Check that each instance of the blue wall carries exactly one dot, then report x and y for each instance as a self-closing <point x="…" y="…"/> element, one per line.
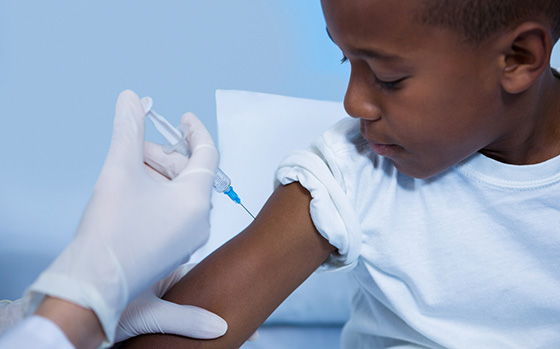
<point x="63" y="63"/>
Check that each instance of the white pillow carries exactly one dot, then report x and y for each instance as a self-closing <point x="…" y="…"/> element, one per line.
<point x="255" y="131"/>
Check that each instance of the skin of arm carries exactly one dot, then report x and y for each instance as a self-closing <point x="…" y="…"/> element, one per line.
<point x="80" y="325"/>
<point x="249" y="276"/>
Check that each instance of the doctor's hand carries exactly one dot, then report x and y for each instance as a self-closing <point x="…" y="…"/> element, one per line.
<point x="150" y="314"/>
<point x="136" y="228"/>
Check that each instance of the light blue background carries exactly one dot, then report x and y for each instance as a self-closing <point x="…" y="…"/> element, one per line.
<point x="63" y="63"/>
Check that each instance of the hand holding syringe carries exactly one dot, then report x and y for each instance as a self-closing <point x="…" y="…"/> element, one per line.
<point x="176" y="141"/>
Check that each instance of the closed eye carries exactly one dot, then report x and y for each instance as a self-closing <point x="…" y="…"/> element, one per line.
<point x="389" y="85"/>
<point x="384" y="85"/>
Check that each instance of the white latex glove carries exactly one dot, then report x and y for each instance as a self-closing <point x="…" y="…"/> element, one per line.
<point x="150" y="314"/>
<point x="135" y="230"/>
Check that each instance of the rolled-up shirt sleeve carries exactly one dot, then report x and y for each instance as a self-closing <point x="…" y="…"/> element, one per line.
<point x="331" y="210"/>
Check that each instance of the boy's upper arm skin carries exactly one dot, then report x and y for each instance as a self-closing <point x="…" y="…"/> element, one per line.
<point x="248" y="277"/>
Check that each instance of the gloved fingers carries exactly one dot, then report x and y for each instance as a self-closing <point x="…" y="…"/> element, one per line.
<point x="127" y="142"/>
<point x="188" y="321"/>
<point x="254" y="337"/>
<point x="204" y="158"/>
<point x="185" y="269"/>
<point x="156" y="175"/>
<point x="168" y="165"/>
<point x="196" y="131"/>
<point x="123" y="333"/>
<point x="162" y="286"/>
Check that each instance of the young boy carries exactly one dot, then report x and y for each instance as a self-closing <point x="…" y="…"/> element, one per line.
<point x="443" y="194"/>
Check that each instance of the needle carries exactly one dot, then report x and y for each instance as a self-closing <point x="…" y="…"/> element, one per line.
<point x="250" y="214"/>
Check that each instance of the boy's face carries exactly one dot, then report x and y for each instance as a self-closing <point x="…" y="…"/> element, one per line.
<point x="426" y="100"/>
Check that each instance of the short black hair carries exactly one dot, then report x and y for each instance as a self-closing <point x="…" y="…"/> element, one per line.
<point x="477" y="20"/>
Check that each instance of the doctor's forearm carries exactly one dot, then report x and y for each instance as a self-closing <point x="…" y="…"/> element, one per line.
<point x="247" y="278"/>
<point x="80" y="325"/>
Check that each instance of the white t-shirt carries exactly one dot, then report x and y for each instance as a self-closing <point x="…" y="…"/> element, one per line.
<point x="468" y="258"/>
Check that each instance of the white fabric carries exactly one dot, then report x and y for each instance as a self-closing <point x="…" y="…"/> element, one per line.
<point x="138" y="226"/>
<point x="296" y="337"/>
<point x="10" y="314"/>
<point x="255" y="131"/>
<point x="35" y="332"/>
<point x="469" y="258"/>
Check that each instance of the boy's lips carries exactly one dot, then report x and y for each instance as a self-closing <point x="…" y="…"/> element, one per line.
<point x="382" y="149"/>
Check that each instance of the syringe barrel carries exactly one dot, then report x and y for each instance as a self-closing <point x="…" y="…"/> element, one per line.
<point x="221" y="181"/>
<point x="181" y="145"/>
<point x="176" y="141"/>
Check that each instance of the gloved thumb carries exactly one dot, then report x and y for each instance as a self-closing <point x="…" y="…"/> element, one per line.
<point x="127" y="143"/>
<point x="188" y="321"/>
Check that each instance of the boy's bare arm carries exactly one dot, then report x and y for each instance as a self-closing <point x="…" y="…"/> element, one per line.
<point x="248" y="277"/>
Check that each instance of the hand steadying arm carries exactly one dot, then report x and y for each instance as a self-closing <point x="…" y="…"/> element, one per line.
<point x="248" y="277"/>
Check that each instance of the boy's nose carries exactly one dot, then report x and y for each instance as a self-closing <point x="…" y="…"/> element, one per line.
<point x="359" y="101"/>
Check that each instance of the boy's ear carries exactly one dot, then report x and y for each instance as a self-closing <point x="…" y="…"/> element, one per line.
<point x="525" y="56"/>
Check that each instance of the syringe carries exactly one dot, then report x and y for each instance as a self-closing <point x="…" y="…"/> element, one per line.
<point x="176" y="141"/>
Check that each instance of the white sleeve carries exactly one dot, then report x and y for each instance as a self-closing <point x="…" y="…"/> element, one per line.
<point x="331" y="211"/>
<point x="35" y="332"/>
<point x="11" y="313"/>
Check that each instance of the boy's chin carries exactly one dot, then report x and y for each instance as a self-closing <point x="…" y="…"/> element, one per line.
<point x="419" y="172"/>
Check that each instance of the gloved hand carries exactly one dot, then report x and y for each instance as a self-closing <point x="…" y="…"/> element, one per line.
<point x="135" y="230"/>
<point x="150" y="314"/>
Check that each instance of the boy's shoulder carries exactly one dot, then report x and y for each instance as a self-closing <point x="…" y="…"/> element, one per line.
<point x="342" y="136"/>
